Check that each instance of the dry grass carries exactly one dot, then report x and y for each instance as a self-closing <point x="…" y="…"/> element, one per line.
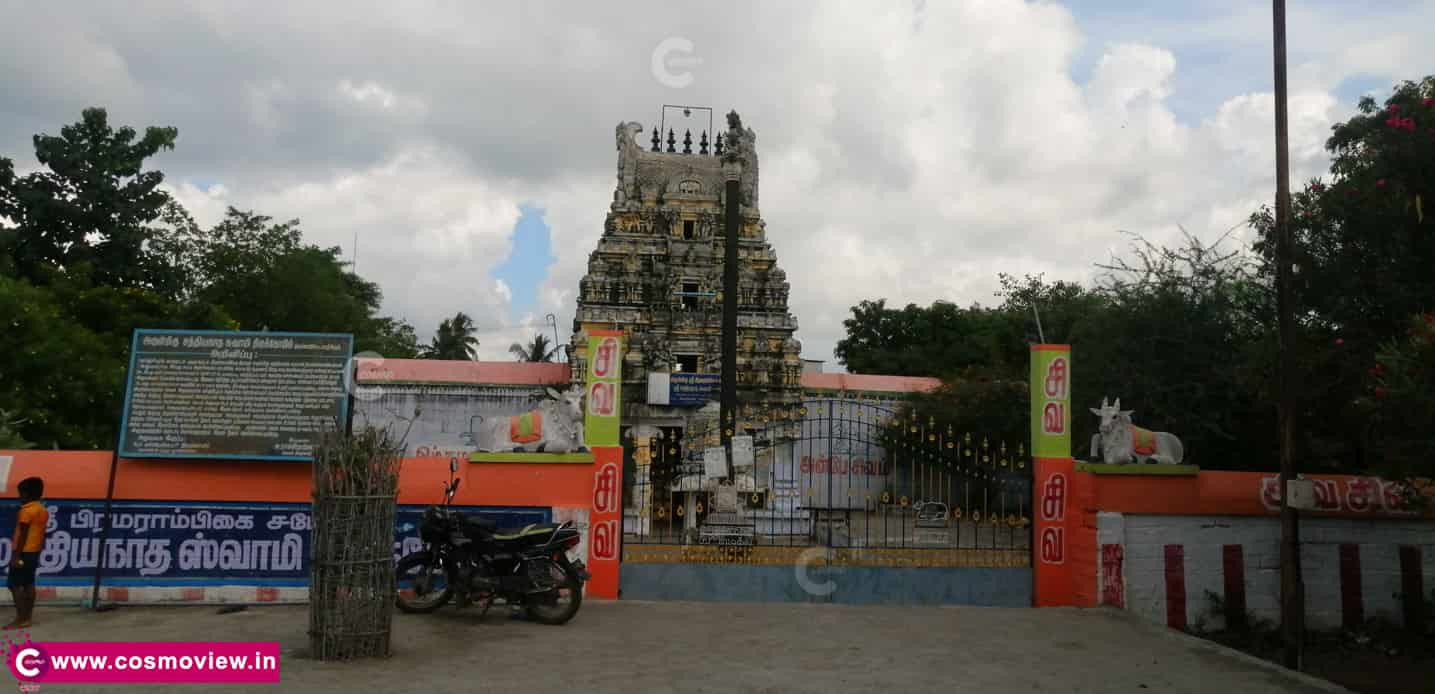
<point x="351" y="583"/>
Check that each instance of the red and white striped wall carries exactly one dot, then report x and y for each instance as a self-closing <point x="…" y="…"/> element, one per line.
<point x="164" y="595"/>
<point x="1185" y="571"/>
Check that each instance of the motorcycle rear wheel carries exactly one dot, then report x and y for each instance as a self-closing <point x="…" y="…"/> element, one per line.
<point x="421" y="563"/>
<point x="539" y="609"/>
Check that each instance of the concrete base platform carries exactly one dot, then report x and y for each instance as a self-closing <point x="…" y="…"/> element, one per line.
<point x="859" y="585"/>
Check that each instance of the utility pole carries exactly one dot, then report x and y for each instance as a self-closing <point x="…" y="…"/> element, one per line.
<point x="1292" y="590"/>
<point x="732" y="219"/>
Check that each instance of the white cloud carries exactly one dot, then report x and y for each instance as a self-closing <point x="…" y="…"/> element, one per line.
<point x="426" y="232"/>
<point x="368" y="92"/>
<point x="500" y="288"/>
<point x="207" y="205"/>
<point x="907" y="152"/>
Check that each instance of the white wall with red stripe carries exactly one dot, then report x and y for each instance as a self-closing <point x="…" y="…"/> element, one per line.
<point x="1166" y="567"/>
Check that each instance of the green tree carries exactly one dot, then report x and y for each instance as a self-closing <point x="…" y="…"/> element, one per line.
<point x="88" y="213"/>
<point x="1364" y="246"/>
<point x="9" y="206"/>
<point x="1184" y="341"/>
<point x="1178" y="333"/>
<point x="389" y="337"/>
<point x="937" y="340"/>
<point x="539" y="349"/>
<point x="263" y="275"/>
<point x="1400" y="406"/>
<point x="980" y="401"/>
<point x="10" y="438"/>
<point x="60" y="381"/>
<point x="1068" y="311"/>
<point x="454" y="340"/>
<point x="91" y="249"/>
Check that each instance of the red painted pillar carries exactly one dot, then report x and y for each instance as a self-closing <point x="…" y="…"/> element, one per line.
<point x="1113" y="571"/>
<point x="1233" y="570"/>
<point x="1412" y="588"/>
<point x="1055" y="505"/>
<point x="1176" y="586"/>
<point x="1352" y="600"/>
<point x="601" y="423"/>
<point x="1053" y="480"/>
<point x="606" y="522"/>
<point x="1082" y="548"/>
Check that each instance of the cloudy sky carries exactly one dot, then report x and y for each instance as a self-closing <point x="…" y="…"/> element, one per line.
<point x="909" y="150"/>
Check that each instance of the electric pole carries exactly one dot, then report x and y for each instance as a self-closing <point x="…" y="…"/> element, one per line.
<point x="1292" y="591"/>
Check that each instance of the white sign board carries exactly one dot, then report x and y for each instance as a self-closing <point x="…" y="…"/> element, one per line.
<point x="1300" y="494"/>
<point x="726" y="499"/>
<point x="659" y="384"/>
<point x="742" y="457"/>
<point x="715" y="462"/>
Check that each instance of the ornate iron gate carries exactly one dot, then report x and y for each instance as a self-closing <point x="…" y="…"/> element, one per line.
<point x="835" y="482"/>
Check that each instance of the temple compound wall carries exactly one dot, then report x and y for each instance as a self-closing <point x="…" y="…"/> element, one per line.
<point x="1201" y="549"/>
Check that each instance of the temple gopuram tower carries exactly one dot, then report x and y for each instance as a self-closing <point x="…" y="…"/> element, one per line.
<point x="657" y="275"/>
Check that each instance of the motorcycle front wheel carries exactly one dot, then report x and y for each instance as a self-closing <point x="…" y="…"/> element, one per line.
<point x="560" y="602"/>
<point x="423" y="585"/>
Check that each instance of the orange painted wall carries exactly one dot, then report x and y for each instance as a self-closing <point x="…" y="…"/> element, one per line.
<point x="83" y="475"/>
<point x="1065" y="548"/>
<point x="1207" y="493"/>
<point x="498" y="484"/>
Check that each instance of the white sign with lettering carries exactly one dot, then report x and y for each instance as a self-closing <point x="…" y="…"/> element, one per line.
<point x="742" y="455"/>
<point x="715" y="462"/>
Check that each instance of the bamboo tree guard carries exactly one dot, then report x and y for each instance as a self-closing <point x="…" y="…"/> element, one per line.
<point x="351" y="581"/>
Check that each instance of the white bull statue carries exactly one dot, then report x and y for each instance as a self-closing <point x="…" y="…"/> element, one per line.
<point x="555" y="426"/>
<point x="1120" y="441"/>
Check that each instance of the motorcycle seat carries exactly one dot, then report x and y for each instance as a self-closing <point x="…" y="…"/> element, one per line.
<point x="481" y="524"/>
<point x="526" y="531"/>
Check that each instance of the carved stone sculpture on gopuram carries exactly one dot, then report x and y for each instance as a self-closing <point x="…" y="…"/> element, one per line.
<point x="656" y="271"/>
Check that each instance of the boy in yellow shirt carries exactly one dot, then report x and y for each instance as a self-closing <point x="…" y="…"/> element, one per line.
<point x="25" y="549"/>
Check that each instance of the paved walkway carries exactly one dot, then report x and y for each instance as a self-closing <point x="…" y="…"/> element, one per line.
<point x="717" y="647"/>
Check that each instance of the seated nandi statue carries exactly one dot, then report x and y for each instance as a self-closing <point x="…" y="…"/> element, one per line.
<point x="1120" y="441"/>
<point x="555" y="426"/>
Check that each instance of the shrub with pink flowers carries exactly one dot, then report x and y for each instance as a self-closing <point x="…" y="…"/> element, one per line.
<point x="1364" y="255"/>
<point x="1400" y="399"/>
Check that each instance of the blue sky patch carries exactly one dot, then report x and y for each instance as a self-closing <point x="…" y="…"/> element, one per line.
<point x="1352" y="88"/>
<point x="527" y="263"/>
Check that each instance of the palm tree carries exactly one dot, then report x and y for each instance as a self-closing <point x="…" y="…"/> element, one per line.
<point x="454" y="340"/>
<point x="540" y="349"/>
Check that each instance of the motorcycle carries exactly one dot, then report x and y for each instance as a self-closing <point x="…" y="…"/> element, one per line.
<point x="469" y="557"/>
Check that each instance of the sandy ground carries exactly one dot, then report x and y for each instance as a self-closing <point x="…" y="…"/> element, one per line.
<point x="718" y="647"/>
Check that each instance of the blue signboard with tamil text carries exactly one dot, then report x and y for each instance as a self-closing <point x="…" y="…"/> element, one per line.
<point x="213" y="394"/>
<point x="688" y="389"/>
<point x="163" y="543"/>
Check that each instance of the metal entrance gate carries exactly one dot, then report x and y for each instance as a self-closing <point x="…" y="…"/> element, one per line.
<point x="851" y="500"/>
